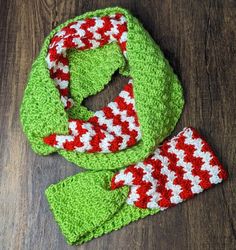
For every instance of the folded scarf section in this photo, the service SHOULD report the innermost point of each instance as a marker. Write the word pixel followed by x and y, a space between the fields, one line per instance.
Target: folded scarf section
pixel 93 203
pixel 77 60
pixel 114 127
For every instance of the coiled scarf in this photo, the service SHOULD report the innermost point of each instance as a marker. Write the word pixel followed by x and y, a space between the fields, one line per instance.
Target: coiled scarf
pixel 76 61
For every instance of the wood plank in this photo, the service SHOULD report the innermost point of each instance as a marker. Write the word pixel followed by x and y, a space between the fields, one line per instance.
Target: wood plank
pixel 198 38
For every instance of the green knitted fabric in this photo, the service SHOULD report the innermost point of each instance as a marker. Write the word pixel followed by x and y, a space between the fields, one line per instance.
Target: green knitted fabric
pixel 158 94
pixel 85 68
pixel 85 207
pixel 92 203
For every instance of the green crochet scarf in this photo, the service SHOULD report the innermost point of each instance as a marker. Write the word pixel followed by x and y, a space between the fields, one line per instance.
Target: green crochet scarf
pixel 99 201
pixel 83 205
pixel 85 208
pixel 158 94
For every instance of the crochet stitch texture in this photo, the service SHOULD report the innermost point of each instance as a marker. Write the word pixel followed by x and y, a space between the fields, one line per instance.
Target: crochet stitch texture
pixel 158 95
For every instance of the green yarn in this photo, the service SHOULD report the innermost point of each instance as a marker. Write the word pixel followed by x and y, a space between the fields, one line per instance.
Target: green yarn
pixel 85 207
pixel 158 95
pixel 85 68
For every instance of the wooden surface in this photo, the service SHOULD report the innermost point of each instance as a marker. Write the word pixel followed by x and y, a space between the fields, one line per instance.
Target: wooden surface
pixel 198 38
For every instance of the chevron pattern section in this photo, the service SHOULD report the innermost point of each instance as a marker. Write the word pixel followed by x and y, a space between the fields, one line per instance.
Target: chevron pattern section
pixel 179 169
pixel 89 33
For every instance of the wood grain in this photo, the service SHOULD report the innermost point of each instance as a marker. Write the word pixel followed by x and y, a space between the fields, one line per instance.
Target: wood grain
pixel 198 38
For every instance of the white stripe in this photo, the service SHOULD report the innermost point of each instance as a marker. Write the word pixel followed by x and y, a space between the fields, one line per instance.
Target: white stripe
pixel 133 195
pixel 205 156
pixel 62 83
pixel 154 195
pixel 176 189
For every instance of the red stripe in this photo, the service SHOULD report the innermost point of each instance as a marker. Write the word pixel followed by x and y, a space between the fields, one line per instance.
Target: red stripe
pixel 196 162
pixel 63 92
pixel 179 170
pixel 115 144
pixel 50 140
pixel 59 74
pixel 165 194
pixel 123 106
pixel 96 139
pixel 115 184
pixel 214 161
pixel 129 88
pixel 143 197
pixel 68 43
pixel 116 119
pixel 137 174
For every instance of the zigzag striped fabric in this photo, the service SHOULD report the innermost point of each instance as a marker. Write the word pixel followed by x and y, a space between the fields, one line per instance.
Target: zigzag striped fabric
pixel 89 33
pixel 113 128
pixel 116 126
pixel 179 169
